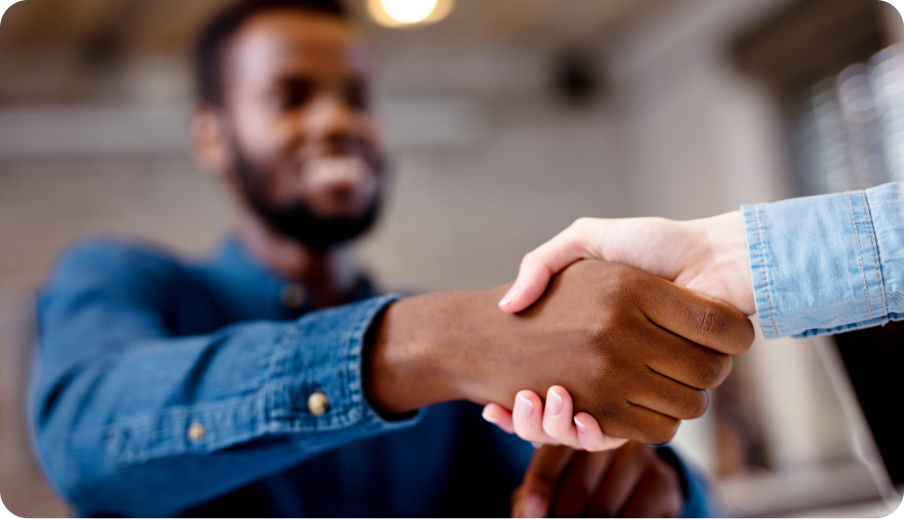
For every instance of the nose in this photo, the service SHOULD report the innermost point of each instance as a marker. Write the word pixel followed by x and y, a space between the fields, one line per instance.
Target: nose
pixel 332 122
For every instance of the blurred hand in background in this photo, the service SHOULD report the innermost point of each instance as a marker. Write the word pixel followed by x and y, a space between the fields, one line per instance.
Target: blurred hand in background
pixel 632 481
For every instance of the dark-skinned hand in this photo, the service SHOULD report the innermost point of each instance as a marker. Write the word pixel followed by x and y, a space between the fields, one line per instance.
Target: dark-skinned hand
pixel 635 351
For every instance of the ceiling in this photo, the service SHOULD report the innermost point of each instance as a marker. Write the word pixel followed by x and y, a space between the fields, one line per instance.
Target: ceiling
pixel 76 51
pixel 168 26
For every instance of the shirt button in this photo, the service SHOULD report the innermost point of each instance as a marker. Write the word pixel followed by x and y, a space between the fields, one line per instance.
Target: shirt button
pixel 293 296
pixel 196 432
pixel 318 404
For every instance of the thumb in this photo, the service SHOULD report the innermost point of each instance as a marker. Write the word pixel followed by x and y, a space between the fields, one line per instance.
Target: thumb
pixel 537 268
pixel 533 497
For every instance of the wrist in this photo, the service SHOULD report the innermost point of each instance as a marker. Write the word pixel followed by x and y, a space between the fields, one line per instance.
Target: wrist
pixel 422 351
pixel 728 246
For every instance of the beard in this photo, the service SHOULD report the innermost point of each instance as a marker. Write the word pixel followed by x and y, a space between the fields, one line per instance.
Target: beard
pixel 297 220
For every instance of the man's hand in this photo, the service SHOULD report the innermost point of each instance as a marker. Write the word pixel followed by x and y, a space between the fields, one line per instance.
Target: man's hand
pixel 708 255
pixel 636 352
pixel 629 482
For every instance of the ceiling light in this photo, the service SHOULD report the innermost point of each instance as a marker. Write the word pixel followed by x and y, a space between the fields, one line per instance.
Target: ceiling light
pixel 409 11
pixel 402 13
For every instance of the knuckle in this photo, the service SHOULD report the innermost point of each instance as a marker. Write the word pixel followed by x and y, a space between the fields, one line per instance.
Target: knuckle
pixel 709 371
pixel 714 370
pixel 709 324
pixel 697 407
pixel 529 260
pixel 662 434
pixel 540 482
pixel 582 224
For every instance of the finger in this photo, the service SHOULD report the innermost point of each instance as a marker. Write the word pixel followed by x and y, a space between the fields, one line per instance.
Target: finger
pixel 671 398
pixel 591 437
pixel 625 471
pixel 557 418
pixel 580 482
pixel 643 425
pixel 530 506
pixel 537 267
pixel 527 418
pixel 656 495
pixel 533 497
pixel 499 416
pixel 698 318
pixel 689 363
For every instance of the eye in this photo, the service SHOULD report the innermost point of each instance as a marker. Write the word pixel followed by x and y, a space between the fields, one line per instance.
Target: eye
pixel 357 95
pixel 294 94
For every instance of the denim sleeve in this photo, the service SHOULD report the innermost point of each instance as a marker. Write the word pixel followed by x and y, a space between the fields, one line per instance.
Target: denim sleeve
pixel 828 264
pixel 130 421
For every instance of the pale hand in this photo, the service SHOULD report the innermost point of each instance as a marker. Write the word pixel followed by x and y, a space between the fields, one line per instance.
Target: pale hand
pixel 709 256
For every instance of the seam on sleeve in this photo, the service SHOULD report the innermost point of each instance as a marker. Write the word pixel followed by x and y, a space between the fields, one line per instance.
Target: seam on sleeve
pixel 860 252
pixel 872 236
pixel 756 221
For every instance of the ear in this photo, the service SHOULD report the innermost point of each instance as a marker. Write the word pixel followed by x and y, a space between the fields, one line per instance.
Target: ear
pixel 211 146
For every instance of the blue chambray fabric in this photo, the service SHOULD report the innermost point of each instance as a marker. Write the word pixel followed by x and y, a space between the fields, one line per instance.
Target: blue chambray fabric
pixel 827 264
pixel 135 346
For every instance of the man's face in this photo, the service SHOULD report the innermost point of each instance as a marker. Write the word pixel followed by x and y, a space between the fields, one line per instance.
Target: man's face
pixel 305 150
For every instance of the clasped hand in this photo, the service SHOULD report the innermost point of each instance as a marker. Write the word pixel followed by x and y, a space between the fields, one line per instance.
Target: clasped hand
pixel 709 256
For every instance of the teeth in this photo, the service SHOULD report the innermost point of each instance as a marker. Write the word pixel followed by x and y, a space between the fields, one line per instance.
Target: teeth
pixel 328 170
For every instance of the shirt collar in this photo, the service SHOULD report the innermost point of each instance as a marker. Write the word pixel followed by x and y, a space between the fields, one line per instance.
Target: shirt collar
pixel 249 279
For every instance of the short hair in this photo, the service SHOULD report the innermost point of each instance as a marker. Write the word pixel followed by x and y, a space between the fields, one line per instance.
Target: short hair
pixel 214 37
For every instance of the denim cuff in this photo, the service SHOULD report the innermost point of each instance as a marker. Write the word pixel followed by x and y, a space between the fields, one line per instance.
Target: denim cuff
pixel 760 260
pixel 815 265
pixel 331 368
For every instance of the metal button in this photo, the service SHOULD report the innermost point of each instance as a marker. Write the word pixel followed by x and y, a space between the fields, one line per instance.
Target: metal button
pixel 293 296
pixel 318 403
pixel 196 432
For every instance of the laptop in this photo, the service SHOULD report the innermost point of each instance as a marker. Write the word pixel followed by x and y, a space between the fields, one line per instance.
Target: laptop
pixel 867 370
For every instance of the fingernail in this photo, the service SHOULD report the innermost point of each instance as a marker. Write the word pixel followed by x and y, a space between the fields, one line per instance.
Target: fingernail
pixel 487 417
pixel 509 296
pixel 581 428
pixel 534 506
pixel 554 403
pixel 525 407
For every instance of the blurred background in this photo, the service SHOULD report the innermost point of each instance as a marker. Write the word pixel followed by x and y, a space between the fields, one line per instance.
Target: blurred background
pixel 506 121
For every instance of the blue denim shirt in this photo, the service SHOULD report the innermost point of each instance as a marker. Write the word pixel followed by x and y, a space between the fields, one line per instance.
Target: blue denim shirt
pixel 163 387
pixel 828 264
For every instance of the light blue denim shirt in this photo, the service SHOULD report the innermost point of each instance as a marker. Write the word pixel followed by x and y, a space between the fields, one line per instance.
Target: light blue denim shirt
pixel 827 264
pixel 166 387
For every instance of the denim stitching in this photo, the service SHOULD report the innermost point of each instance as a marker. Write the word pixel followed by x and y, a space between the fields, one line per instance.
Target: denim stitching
pixel 756 222
pixel 860 252
pixel 872 236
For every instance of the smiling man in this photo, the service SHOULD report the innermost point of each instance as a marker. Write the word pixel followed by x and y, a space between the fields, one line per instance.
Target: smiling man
pixel 271 379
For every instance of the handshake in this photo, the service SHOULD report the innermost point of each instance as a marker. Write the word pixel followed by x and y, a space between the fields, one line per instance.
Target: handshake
pixel 623 325
pixel 708 255
pixel 636 334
